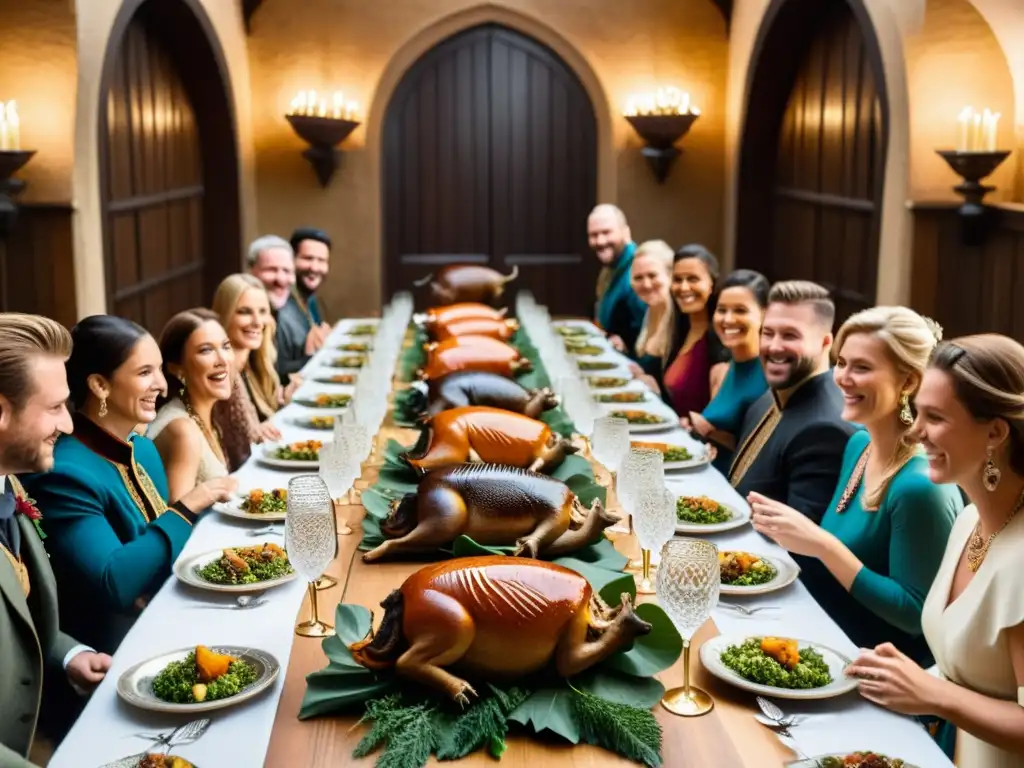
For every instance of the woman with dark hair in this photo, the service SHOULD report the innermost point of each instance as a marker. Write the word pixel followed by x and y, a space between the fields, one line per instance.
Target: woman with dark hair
pixel 692 351
pixel 110 533
pixel 737 322
pixel 970 421
pixel 198 361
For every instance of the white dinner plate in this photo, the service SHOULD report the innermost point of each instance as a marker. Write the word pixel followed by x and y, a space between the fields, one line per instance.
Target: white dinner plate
pixel 740 517
pixel 304 421
pixel 710 657
pixel 268 455
pixel 698 460
pixel 135 685
pixel 785 574
pixel 645 396
pixel 233 508
pixel 665 423
pixel 309 402
pixel 186 565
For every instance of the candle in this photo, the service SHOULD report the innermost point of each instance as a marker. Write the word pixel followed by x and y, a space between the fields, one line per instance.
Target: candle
pixel 662 101
pixel 975 132
pixel 990 137
pixel 10 126
pixel 339 105
pixel 963 120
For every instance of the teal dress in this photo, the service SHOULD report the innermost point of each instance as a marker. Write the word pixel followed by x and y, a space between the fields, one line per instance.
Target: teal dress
pixel 111 536
pixel 901 545
pixel 743 385
pixel 621 312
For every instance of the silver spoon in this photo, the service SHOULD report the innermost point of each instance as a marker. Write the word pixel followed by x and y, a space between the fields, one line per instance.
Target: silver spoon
pixel 242 603
pixel 269 530
pixel 747 611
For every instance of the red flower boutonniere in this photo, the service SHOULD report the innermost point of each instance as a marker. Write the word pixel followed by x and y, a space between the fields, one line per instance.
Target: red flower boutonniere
pixel 27 507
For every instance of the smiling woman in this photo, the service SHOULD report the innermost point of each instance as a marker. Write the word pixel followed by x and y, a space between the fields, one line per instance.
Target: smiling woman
pixel 197 363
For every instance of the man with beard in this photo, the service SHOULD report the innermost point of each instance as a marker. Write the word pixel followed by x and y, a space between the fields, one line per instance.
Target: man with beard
pixel 792 439
pixel 272 260
pixel 33 414
pixel 620 312
pixel 312 262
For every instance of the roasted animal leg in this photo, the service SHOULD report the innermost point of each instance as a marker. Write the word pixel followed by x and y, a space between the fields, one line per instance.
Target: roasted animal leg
pixel 551 455
pixel 575 653
pixel 440 633
pixel 570 540
pixel 546 533
pixel 439 529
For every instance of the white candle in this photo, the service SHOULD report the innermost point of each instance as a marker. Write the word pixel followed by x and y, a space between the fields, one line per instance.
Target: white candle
pixel 13 126
pixel 975 132
pixel 992 132
pixel 963 129
pixel 339 105
pixel 3 126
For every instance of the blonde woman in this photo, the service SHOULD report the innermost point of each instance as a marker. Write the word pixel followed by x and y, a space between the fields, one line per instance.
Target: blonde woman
pixel 650 276
pixel 243 306
pixel 872 561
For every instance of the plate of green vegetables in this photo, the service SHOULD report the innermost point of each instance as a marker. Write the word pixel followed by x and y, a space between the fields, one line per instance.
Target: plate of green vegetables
pixel 198 679
pixel 785 668
pixel 249 568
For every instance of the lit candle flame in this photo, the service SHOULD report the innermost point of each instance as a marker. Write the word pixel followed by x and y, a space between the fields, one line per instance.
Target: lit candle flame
pixel 663 101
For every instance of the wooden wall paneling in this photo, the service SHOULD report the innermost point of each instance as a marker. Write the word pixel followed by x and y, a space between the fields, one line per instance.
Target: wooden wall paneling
pixel 37 263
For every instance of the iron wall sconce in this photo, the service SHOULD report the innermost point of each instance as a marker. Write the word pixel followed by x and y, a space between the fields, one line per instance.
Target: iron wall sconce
pixel 11 161
pixel 660 133
pixel 972 166
pixel 323 134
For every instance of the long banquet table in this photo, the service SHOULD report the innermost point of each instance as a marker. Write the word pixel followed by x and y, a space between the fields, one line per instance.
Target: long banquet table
pixel 265 730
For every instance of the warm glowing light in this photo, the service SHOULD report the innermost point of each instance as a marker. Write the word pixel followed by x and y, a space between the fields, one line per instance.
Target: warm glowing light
pixel 976 131
pixel 310 104
pixel 10 126
pixel 664 101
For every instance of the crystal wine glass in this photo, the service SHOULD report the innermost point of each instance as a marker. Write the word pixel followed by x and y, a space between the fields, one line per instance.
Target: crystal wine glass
pixel 688 583
pixel 610 443
pixel 334 473
pixel 654 523
pixel 641 465
pixel 312 541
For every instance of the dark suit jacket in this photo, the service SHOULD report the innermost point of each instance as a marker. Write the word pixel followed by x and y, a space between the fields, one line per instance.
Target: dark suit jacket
pixel 31 640
pixel 292 328
pixel 800 463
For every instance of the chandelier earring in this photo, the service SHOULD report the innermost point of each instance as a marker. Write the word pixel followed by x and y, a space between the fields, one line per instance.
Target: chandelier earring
pixel 103 406
pixel 990 475
pixel 906 417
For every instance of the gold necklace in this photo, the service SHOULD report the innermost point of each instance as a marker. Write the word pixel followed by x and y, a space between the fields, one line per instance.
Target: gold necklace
pixel 212 438
pixel 977 548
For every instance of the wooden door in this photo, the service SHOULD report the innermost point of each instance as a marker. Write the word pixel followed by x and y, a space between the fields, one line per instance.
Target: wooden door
pixel 490 157
pixel 154 186
pixel 812 181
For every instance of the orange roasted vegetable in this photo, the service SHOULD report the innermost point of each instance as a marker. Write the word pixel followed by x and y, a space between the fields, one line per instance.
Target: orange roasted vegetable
pixel 210 665
pixel 488 435
pixel 497 618
pixel 782 649
pixel 472 353
pixel 457 283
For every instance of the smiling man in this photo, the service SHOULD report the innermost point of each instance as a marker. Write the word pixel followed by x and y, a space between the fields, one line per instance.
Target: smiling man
pixel 33 414
pixel 312 263
pixel 620 312
pixel 790 447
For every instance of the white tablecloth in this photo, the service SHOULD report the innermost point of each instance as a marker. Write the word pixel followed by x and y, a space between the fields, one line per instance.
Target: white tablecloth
pixel 240 735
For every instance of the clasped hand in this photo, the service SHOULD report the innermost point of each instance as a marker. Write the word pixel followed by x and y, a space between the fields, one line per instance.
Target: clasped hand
pixel 789 529
pixel 893 680
pixel 87 669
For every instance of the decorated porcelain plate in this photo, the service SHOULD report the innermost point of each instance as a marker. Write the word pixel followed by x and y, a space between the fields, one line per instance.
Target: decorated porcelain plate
pixel 271 455
pixel 135 685
pixel 737 518
pixel 235 508
pixel 711 657
pixel 624 396
pixel 341 379
pixel 318 421
pixel 330 402
pixel 695 460
pixel 785 573
pixel 187 567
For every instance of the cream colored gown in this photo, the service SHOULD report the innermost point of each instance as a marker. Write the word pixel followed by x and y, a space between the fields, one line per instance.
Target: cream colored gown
pixel 968 636
pixel 210 466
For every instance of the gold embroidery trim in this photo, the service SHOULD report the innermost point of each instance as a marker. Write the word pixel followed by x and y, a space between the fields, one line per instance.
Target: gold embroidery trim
pixel 20 570
pixel 126 479
pixel 755 442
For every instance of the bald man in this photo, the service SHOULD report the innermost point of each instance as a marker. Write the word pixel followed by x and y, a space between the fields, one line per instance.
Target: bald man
pixel 620 312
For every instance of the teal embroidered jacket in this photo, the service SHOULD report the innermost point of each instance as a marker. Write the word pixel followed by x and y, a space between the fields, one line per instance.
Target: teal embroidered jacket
pixel 111 536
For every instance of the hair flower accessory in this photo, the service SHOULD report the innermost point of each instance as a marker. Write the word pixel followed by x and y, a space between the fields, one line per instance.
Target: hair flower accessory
pixel 26 506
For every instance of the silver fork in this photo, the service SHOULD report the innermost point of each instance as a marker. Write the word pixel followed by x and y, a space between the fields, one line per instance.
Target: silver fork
pixel 781 726
pixel 269 530
pixel 747 611
pixel 242 603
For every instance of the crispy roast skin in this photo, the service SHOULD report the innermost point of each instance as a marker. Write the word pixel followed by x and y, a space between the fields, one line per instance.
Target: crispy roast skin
pixel 502 330
pixel 464 388
pixel 461 283
pixel 495 435
pixel 453 313
pixel 471 353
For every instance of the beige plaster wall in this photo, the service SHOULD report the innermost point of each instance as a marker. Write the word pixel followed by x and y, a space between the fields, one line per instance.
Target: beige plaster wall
pixel 938 56
pixel 94 21
pixel 362 49
pixel 38 69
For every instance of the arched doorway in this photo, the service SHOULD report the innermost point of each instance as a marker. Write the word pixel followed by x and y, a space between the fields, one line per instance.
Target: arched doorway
pixel 490 156
pixel 168 162
pixel 813 150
